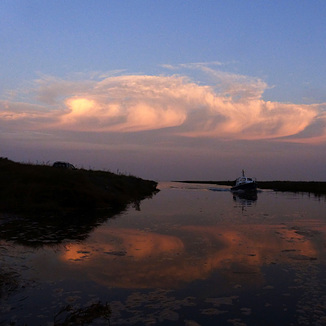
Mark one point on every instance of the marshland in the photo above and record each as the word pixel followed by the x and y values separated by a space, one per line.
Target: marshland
pixel 85 247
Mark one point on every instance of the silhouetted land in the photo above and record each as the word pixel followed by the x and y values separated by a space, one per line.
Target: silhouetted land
pixel 31 189
pixel 315 187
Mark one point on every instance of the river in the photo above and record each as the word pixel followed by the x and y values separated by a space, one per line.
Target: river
pixel 192 255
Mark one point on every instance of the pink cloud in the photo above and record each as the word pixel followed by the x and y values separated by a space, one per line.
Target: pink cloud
pixel 232 108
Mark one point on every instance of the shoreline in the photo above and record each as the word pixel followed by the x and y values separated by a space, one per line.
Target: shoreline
pixel 314 187
pixel 30 189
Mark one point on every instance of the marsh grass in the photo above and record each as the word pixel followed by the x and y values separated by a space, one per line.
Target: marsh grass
pixel 314 187
pixel 31 189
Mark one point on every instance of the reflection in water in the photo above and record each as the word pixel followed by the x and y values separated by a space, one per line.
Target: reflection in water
pixel 189 257
pixel 139 259
pixel 53 230
pixel 245 198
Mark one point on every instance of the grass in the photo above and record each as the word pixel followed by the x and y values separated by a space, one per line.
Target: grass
pixel 30 189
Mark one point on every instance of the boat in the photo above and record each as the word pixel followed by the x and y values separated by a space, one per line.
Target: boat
pixel 244 184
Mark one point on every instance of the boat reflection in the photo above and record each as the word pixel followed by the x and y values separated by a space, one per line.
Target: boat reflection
pixel 245 198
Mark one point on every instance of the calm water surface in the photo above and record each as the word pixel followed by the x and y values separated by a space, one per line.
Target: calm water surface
pixel 192 255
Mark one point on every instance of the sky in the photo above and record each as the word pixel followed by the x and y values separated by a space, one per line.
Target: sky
pixel 166 90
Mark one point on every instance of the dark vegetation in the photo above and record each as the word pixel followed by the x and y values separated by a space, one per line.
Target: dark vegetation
pixel 28 188
pixel 295 186
pixel 314 187
pixel 41 204
pixel 44 205
pixel 83 316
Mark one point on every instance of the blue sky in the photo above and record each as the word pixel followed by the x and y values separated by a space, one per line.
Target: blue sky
pixel 201 89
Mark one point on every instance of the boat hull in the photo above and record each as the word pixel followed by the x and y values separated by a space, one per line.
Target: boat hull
pixel 245 187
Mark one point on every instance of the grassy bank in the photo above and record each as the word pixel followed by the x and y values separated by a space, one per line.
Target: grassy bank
pixel 29 189
pixel 295 186
pixel 315 187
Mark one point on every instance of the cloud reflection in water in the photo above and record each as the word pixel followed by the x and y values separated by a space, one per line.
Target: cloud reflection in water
pixel 130 258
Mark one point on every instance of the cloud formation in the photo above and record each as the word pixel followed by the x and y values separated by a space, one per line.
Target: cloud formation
pixel 229 106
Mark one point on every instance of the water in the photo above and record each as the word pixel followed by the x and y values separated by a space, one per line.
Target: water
pixel 192 255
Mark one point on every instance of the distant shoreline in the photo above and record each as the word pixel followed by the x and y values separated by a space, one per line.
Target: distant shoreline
pixel 315 187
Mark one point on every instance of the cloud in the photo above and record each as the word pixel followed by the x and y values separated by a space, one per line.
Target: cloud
pixel 228 106
pixel 23 115
pixel 127 103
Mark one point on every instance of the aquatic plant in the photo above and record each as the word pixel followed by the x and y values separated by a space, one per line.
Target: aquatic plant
pixel 83 316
